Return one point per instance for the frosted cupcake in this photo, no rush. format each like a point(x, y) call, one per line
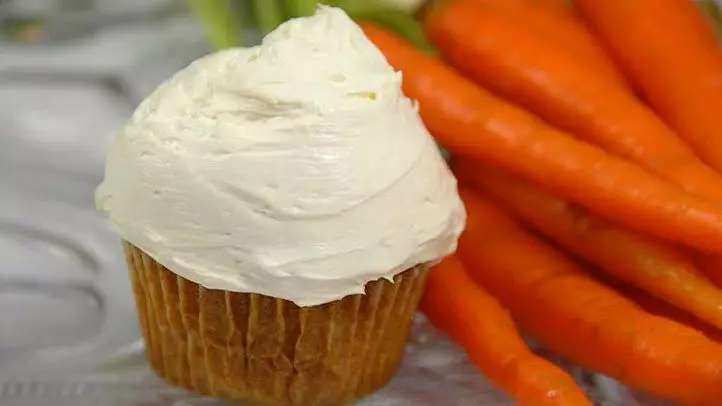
point(279, 206)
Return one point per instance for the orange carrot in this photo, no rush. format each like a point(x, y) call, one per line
point(556, 23)
point(517, 64)
point(671, 53)
point(653, 305)
point(572, 314)
point(711, 266)
point(661, 308)
point(478, 323)
point(471, 122)
point(653, 265)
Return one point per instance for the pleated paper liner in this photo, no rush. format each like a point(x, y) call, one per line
point(268, 351)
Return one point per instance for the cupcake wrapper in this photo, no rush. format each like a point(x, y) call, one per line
point(268, 351)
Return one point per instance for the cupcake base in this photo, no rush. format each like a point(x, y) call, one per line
point(268, 351)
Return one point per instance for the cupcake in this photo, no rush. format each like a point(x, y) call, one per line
point(279, 207)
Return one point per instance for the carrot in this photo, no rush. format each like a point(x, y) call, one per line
point(653, 305)
point(583, 320)
point(661, 308)
point(539, 75)
point(482, 327)
point(471, 122)
point(711, 267)
point(556, 23)
point(671, 53)
point(653, 265)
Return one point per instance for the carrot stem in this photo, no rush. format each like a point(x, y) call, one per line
point(221, 24)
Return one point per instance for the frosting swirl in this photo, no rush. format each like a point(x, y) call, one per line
point(295, 169)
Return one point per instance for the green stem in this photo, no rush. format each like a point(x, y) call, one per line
point(301, 8)
point(268, 14)
point(712, 10)
point(219, 22)
point(395, 20)
point(357, 6)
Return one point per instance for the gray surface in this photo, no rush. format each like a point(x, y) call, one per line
point(65, 299)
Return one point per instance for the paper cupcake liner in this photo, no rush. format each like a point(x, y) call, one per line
point(268, 351)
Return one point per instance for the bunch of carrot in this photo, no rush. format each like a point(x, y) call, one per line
point(585, 143)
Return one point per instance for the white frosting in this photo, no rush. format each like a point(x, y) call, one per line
point(296, 169)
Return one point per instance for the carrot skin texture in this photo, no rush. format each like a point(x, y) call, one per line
point(562, 89)
point(476, 321)
point(661, 308)
point(572, 314)
point(711, 266)
point(650, 264)
point(558, 24)
point(671, 53)
point(472, 122)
